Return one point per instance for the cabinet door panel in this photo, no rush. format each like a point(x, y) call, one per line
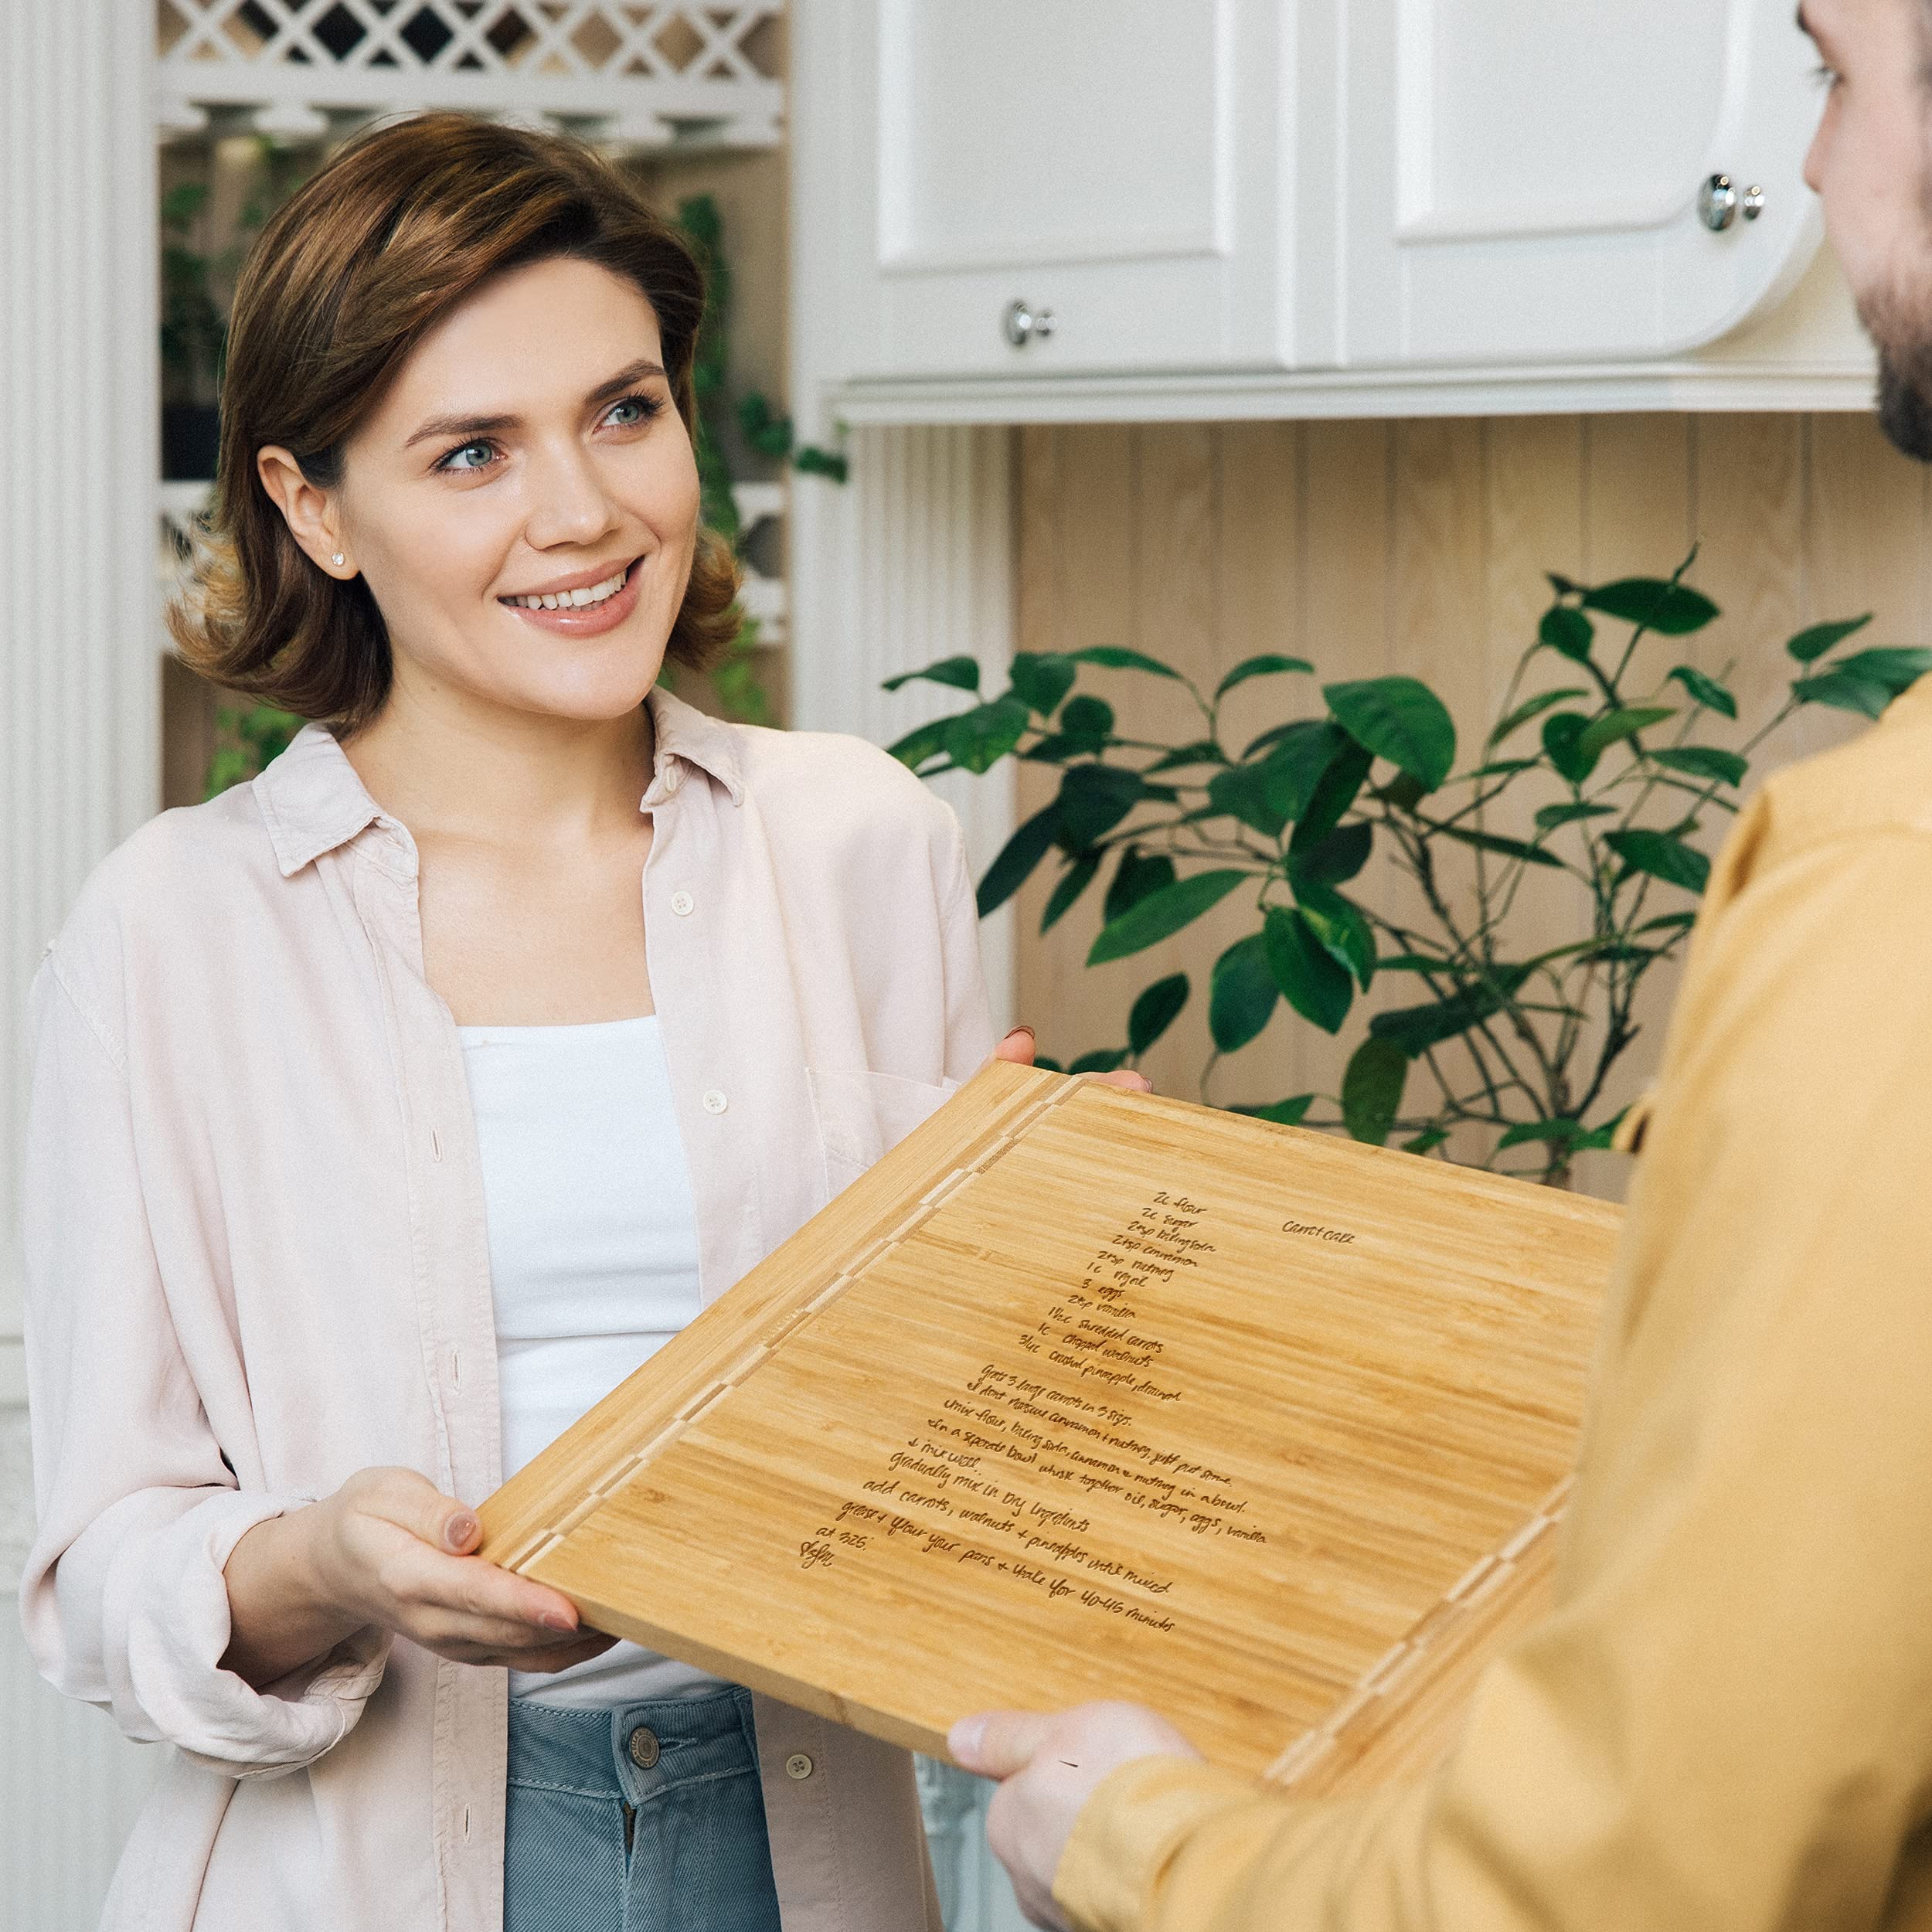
point(1110, 162)
point(1526, 176)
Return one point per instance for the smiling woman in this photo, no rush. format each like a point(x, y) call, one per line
point(392, 1109)
point(384, 253)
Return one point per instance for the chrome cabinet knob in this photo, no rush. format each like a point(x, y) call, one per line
point(1023, 323)
point(1719, 203)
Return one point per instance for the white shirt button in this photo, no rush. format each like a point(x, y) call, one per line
point(673, 778)
point(714, 1102)
point(798, 1765)
point(683, 904)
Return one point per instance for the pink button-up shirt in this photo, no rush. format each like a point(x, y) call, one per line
point(256, 1262)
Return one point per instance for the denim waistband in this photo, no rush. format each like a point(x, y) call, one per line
point(686, 1739)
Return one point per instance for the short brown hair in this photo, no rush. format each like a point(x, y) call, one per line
point(393, 233)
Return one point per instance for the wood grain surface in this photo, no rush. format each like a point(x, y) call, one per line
point(1079, 1393)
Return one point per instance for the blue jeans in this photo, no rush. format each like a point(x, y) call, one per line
point(644, 1817)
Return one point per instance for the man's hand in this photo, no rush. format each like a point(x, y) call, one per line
point(1018, 1047)
point(1049, 1765)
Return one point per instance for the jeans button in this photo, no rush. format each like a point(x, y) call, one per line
point(643, 1747)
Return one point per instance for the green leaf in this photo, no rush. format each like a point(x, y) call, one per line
point(1114, 657)
point(962, 673)
point(1492, 842)
point(928, 741)
point(1342, 928)
point(1071, 882)
point(1614, 726)
point(1094, 799)
point(1054, 750)
point(1671, 610)
point(1087, 722)
point(1241, 994)
point(1705, 761)
point(1706, 690)
point(1243, 792)
point(1018, 857)
point(1312, 981)
point(1662, 856)
point(1266, 665)
point(1399, 719)
point(1136, 878)
point(1426, 1141)
point(1599, 1137)
point(1282, 1113)
point(1534, 708)
point(1338, 788)
point(1044, 680)
point(1332, 859)
point(1163, 913)
point(1550, 816)
point(1156, 1010)
point(1681, 921)
point(1416, 1029)
point(978, 738)
point(1303, 753)
point(1897, 669)
point(1810, 644)
point(1403, 791)
point(1372, 1089)
point(1861, 694)
point(1558, 1133)
point(1203, 751)
point(1567, 630)
point(1562, 737)
point(1102, 1063)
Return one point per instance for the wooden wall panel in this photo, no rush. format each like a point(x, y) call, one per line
point(1420, 547)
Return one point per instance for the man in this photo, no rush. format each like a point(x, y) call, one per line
point(1725, 1724)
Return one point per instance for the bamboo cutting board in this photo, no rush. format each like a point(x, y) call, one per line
point(1079, 1393)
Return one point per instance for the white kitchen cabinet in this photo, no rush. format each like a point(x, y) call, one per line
point(1030, 210)
point(1523, 181)
point(1049, 187)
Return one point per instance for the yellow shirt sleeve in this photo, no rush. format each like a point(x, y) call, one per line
point(1726, 1722)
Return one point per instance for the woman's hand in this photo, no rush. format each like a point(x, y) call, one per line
point(1017, 1046)
point(388, 1548)
point(1049, 1765)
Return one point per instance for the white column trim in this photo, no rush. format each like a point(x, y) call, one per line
point(79, 678)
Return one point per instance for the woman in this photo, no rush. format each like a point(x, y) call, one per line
point(391, 1109)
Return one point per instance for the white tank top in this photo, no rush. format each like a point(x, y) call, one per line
point(594, 1257)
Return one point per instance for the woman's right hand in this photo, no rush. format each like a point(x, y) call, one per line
point(389, 1549)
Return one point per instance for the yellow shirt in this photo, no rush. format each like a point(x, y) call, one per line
point(1726, 1723)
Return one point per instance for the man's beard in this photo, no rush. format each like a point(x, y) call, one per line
point(1902, 330)
point(1905, 398)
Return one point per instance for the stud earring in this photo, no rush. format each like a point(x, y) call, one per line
point(337, 559)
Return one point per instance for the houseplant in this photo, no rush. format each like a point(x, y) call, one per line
point(1510, 1050)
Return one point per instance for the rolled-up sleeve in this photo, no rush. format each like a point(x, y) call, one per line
point(123, 1600)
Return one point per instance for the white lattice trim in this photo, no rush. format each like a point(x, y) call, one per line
point(642, 73)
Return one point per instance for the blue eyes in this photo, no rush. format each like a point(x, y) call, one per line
point(641, 410)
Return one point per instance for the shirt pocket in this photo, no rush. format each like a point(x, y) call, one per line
point(861, 1115)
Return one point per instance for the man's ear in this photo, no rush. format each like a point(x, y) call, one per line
point(312, 514)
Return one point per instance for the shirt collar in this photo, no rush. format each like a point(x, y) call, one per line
point(312, 802)
point(685, 733)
